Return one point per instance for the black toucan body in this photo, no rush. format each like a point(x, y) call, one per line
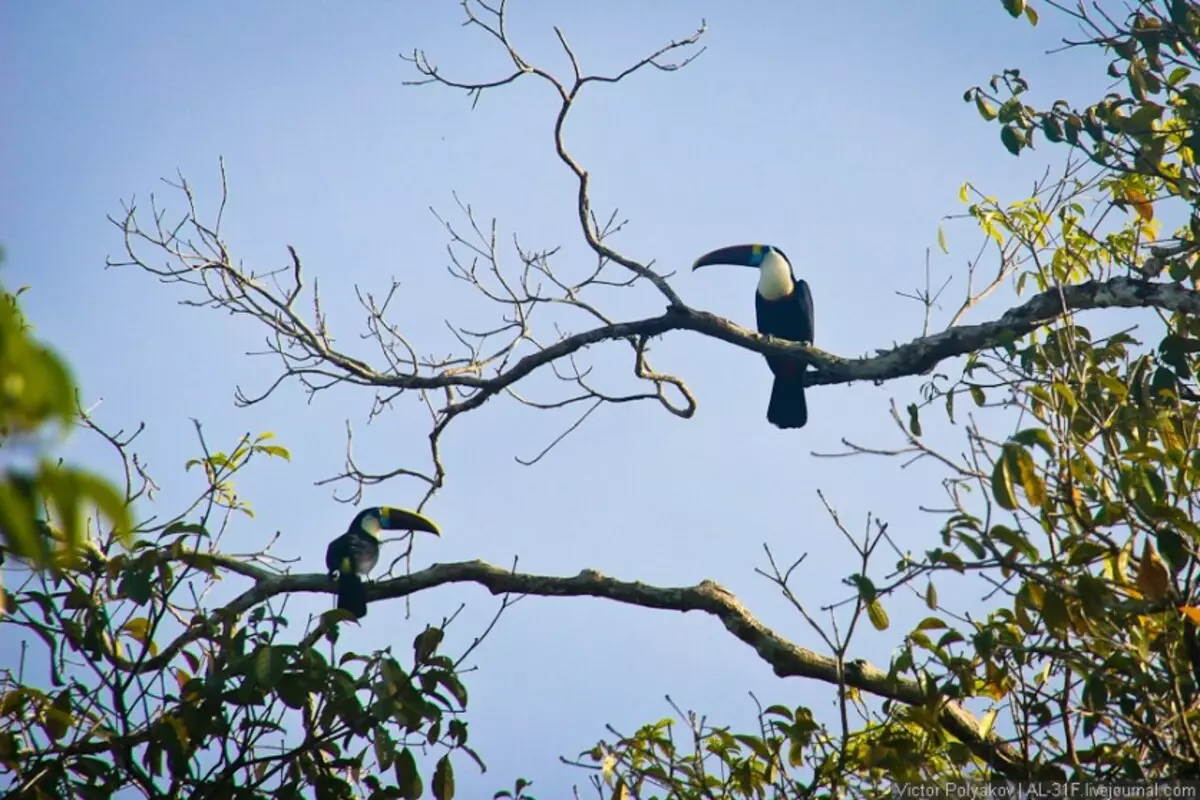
point(356, 552)
point(784, 308)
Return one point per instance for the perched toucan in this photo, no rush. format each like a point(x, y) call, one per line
point(784, 308)
point(356, 552)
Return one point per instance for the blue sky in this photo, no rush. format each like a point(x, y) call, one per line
point(834, 130)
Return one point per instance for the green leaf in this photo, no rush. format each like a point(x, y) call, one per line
point(1054, 612)
point(1085, 553)
point(276, 451)
point(57, 719)
point(25, 535)
point(1014, 7)
point(756, 744)
point(914, 419)
point(185, 528)
point(294, 695)
point(1066, 394)
point(1012, 139)
point(985, 108)
point(931, 598)
point(408, 780)
point(973, 544)
point(137, 584)
point(1095, 693)
point(1051, 129)
point(1014, 539)
point(1173, 549)
point(865, 586)
point(1002, 485)
point(452, 685)
point(775, 710)
point(941, 238)
point(268, 667)
point(443, 779)
point(426, 644)
point(951, 560)
point(1036, 436)
point(385, 748)
point(921, 639)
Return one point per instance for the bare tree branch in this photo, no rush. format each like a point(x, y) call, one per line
point(309, 354)
point(537, 295)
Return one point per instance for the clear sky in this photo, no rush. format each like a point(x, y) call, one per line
point(834, 130)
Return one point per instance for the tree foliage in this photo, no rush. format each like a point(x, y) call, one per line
point(37, 399)
point(153, 687)
point(1072, 504)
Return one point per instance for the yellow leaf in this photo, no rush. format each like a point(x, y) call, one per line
point(138, 628)
point(1191, 612)
point(877, 615)
point(608, 769)
point(1002, 484)
point(1022, 464)
point(1141, 204)
point(1153, 578)
point(995, 691)
point(181, 732)
point(985, 724)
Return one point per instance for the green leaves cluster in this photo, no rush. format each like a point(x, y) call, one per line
point(37, 397)
point(1087, 522)
point(1146, 138)
point(1104, 469)
point(791, 755)
point(150, 689)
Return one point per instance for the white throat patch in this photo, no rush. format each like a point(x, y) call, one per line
point(775, 277)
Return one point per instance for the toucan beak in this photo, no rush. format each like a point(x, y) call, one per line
point(401, 519)
point(740, 255)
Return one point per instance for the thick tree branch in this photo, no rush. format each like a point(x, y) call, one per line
point(786, 659)
point(911, 358)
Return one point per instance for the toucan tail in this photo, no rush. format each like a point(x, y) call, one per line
point(351, 594)
point(788, 408)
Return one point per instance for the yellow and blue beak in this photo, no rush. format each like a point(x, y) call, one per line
point(389, 518)
point(740, 255)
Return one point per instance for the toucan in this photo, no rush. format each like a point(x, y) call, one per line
point(356, 552)
point(784, 308)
